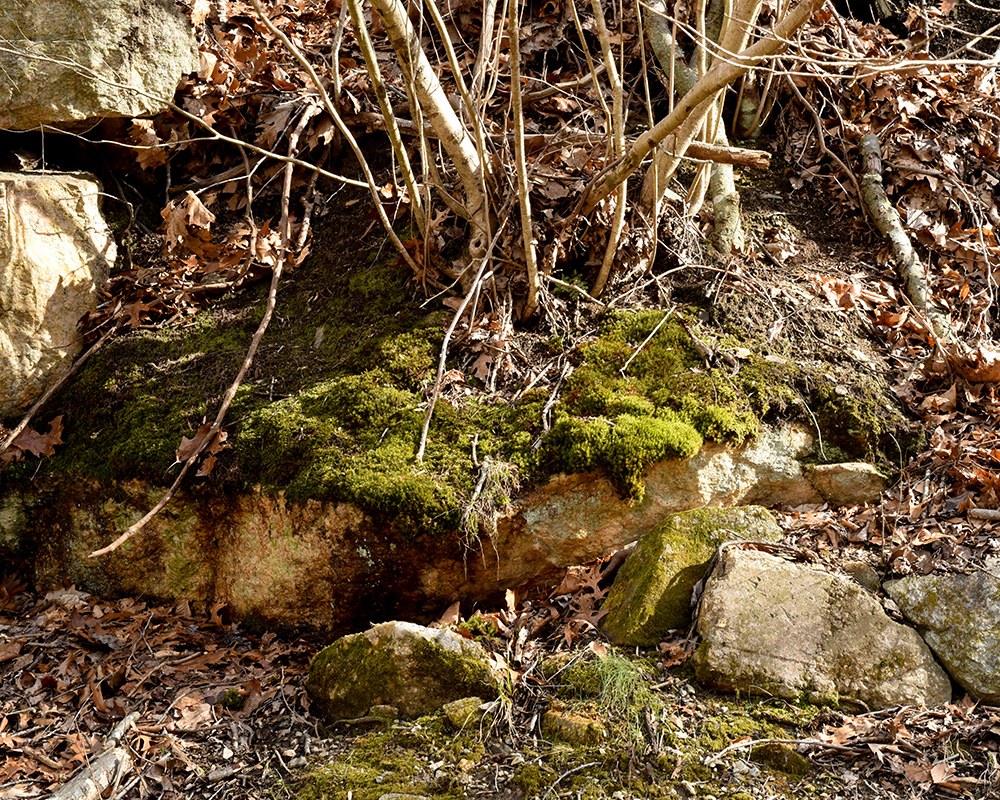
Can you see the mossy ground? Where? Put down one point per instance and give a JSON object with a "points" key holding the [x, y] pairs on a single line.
{"points": [[333, 405], [429, 757]]}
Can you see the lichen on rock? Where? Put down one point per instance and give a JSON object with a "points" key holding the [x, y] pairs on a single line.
{"points": [[770, 626], [413, 668], [959, 618], [651, 594]]}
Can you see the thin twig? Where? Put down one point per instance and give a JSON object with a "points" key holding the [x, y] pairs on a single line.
{"points": [[55, 387], [447, 339], [647, 339]]}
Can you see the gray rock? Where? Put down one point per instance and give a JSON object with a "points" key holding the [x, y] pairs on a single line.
{"points": [[55, 254], [74, 60], [413, 668], [652, 591], [770, 626], [864, 573], [848, 484], [959, 617]]}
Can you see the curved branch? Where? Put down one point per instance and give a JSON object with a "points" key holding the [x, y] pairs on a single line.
{"points": [[722, 73]]}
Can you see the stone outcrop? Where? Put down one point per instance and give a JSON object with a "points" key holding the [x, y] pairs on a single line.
{"points": [[412, 668], [65, 61], [330, 565], [959, 617], [55, 254], [796, 631], [847, 484], [651, 594]]}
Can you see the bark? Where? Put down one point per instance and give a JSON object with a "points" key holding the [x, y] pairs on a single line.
{"points": [[696, 102], [521, 165], [889, 224], [438, 112]]}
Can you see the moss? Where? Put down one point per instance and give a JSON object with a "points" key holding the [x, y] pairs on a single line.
{"points": [[232, 700], [356, 672], [652, 593], [333, 405], [781, 757]]}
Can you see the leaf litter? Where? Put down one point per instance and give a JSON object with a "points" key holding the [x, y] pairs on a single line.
{"points": [[223, 711]]}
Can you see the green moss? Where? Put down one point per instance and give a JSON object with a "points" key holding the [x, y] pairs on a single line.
{"points": [[652, 593], [333, 405], [356, 672], [232, 700]]}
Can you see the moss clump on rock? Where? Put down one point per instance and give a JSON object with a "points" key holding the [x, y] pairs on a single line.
{"points": [[412, 668], [652, 592]]}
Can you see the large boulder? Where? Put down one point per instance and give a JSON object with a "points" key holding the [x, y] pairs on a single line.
{"points": [[959, 617], [72, 60], [412, 668], [55, 254], [771, 626], [652, 592]]}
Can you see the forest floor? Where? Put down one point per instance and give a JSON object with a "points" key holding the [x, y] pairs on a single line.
{"points": [[221, 707]]}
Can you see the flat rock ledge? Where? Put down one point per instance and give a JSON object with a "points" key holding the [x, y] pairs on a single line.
{"points": [[771, 626], [333, 566], [959, 618]]}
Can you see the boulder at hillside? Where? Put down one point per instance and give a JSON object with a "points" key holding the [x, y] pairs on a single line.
{"points": [[55, 255], [412, 668], [959, 617], [65, 61], [652, 593], [771, 626]]}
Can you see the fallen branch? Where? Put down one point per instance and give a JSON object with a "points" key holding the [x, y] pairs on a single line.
{"points": [[97, 778], [889, 224]]}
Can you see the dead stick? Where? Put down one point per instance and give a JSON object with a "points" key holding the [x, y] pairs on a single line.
{"points": [[55, 387]]}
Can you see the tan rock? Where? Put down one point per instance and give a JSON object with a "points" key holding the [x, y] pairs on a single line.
{"points": [[573, 728], [770, 626], [848, 484], [55, 254], [85, 59]]}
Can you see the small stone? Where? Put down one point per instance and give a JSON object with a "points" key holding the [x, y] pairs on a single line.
{"points": [[463, 711], [781, 757], [402, 796], [573, 728], [288, 753], [384, 712], [848, 484], [297, 762], [864, 573]]}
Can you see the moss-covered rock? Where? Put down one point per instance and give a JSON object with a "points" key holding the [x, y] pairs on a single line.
{"points": [[413, 668], [651, 594], [573, 728]]}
